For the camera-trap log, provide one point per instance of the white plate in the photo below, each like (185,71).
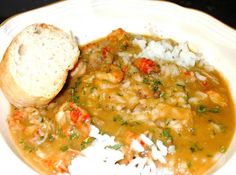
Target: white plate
(92,19)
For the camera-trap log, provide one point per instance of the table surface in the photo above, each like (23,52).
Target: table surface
(223,10)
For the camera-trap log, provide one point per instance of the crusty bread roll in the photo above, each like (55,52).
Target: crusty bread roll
(36,64)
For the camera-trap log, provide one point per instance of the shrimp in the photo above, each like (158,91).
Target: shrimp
(168,111)
(198,98)
(146,66)
(58,163)
(217,98)
(153,110)
(61,114)
(79,69)
(40,135)
(105,84)
(15,120)
(114,76)
(118,34)
(70,114)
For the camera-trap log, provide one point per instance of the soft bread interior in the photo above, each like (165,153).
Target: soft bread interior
(36,64)
(40,58)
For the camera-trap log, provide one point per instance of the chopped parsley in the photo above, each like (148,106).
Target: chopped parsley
(86,143)
(163,95)
(119,94)
(124,46)
(209,155)
(77,83)
(201,109)
(180,85)
(146,80)
(74,97)
(189,164)
(195,148)
(60,133)
(166,134)
(27,147)
(51,138)
(74,136)
(119,119)
(41,138)
(215,109)
(64,148)
(115,147)
(134,123)
(222,149)
(186,98)
(156,84)
(92,89)
(101,132)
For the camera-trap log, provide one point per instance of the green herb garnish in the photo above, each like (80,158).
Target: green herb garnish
(119,94)
(215,109)
(222,149)
(115,147)
(163,95)
(201,109)
(64,148)
(41,138)
(60,133)
(195,148)
(186,98)
(180,85)
(73,136)
(209,155)
(166,134)
(155,85)
(77,83)
(51,138)
(124,46)
(134,123)
(189,164)
(74,97)
(92,89)
(86,143)
(120,120)
(27,147)
(146,80)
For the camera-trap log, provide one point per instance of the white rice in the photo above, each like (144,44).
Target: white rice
(161,147)
(146,140)
(136,146)
(171,149)
(140,43)
(101,159)
(163,50)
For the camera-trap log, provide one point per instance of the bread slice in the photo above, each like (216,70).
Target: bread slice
(36,64)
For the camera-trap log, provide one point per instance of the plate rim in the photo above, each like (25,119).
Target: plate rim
(190,9)
(230,31)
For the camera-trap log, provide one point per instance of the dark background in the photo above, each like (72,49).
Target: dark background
(224,10)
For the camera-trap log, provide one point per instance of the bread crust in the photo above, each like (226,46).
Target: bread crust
(14,92)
